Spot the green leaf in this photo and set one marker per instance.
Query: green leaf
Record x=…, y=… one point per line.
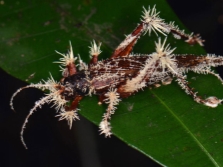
x=164, y=123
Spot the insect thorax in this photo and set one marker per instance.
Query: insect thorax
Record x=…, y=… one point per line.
x=74, y=85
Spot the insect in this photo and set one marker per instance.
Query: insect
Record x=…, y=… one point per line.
x=124, y=73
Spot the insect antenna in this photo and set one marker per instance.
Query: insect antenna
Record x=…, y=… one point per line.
x=14, y=95
x=37, y=104
x=39, y=85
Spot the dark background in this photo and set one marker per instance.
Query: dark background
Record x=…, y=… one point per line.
x=82, y=146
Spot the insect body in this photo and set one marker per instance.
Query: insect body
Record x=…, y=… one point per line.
x=124, y=74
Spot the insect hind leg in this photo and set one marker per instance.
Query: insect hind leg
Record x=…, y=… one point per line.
x=210, y=101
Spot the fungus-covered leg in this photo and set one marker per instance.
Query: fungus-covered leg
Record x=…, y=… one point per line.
x=112, y=99
x=126, y=46
x=208, y=71
x=68, y=62
x=199, y=64
x=189, y=38
x=69, y=113
x=152, y=22
x=142, y=79
x=94, y=52
x=210, y=101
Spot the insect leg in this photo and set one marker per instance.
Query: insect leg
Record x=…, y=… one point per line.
x=199, y=64
x=112, y=99
x=126, y=46
x=210, y=101
x=69, y=113
x=152, y=22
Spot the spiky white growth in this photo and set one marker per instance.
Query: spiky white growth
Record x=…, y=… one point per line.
x=153, y=22
x=197, y=38
x=191, y=38
x=55, y=90
x=82, y=65
x=94, y=49
x=14, y=95
x=69, y=116
x=161, y=59
x=105, y=128
x=112, y=100
x=164, y=55
x=67, y=58
x=53, y=96
x=127, y=41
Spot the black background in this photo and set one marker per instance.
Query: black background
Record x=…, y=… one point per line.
x=82, y=146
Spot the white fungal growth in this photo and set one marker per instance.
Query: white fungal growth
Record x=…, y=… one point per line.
x=53, y=96
x=124, y=73
x=55, y=90
x=164, y=55
x=50, y=85
x=196, y=38
x=94, y=49
x=82, y=65
x=105, y=128
x=68, y=58
x=212, y=101
x=153, y=22
x=112, y=100
x=69, y=116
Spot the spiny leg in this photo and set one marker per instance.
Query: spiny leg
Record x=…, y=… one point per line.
x=210, y=101
x=69, y=113
x=112, y=99
x=152, y=22
x=189, y=38
x=208, y=71
x=126, y=46
x=199, y=64
x=169, y=63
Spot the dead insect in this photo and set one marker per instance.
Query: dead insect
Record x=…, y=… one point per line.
x=124, y=74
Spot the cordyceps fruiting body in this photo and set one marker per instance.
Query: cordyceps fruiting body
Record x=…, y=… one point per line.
x=124, y=73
